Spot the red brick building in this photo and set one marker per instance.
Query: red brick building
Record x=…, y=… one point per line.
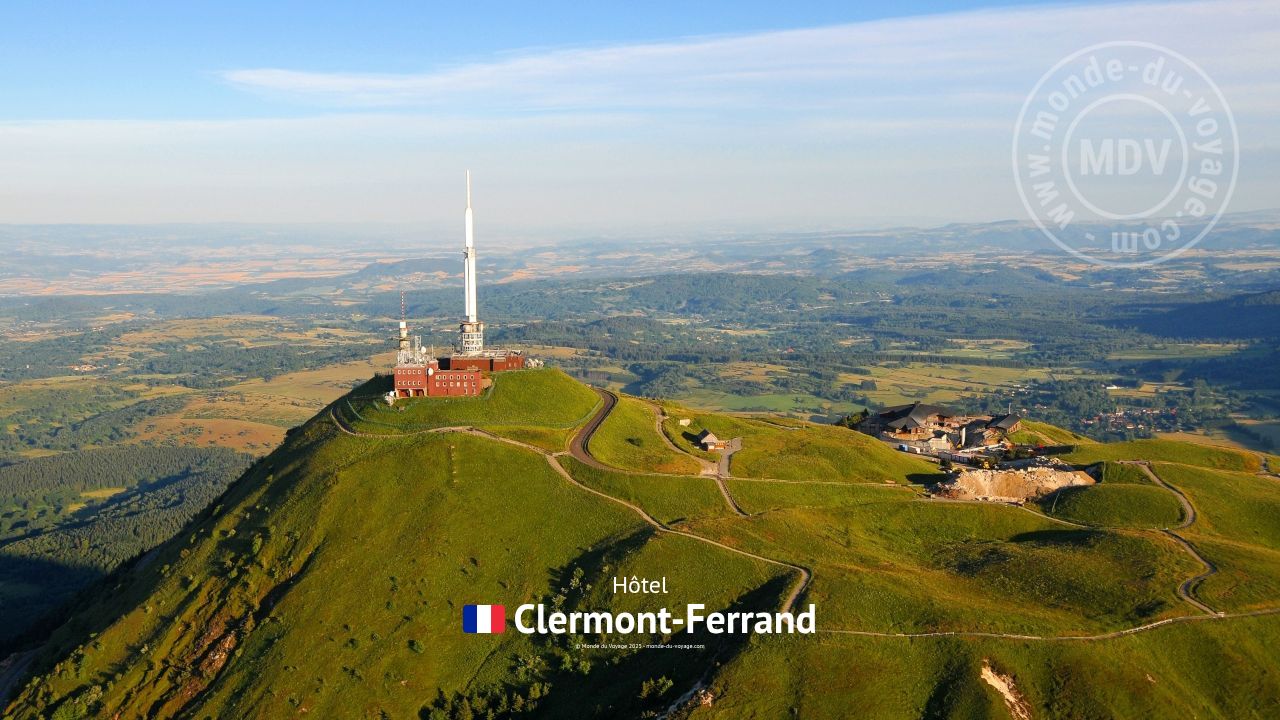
x=490, y=361
x=428, y=380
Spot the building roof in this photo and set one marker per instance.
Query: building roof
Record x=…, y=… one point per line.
x=907, y=417
x=1004, y=422
x=706, y=436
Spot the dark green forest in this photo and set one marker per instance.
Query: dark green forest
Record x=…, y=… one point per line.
x=55, y=540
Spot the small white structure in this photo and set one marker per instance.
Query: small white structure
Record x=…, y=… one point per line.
x=709, y=441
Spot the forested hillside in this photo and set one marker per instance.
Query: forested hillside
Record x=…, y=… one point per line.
x=67, y=520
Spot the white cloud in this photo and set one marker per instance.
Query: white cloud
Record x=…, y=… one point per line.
x=905, y=118
x=957, y=54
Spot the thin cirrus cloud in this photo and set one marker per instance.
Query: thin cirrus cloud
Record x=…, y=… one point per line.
x=960, y=57
x=904, y=120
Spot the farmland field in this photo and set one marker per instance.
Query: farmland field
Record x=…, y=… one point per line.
x=900, y=383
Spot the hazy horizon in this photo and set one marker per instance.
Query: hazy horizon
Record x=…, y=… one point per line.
x=836, y=124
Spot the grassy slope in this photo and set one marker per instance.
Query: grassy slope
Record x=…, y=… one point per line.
x=809, y=452
x=1238, y=530
x=1116, y=505
x=756, y=496
x=334, y=555
x=1166, y=451
x=628, y=439
x=669, y=499
x=1205, y=670
x=549, y=439
x=544, y=398
x=1114, y=473
x=1233, y=506
x=1033, y=433
x=391, y=528
x=884, y=560
x=1209, y=669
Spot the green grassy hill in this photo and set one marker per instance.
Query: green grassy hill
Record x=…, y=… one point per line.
x=1168, y=451
x=1038, y=433
x=627, y=440
x=1119, y=505
x=540, y=407
x=329, y=580
x=332, y=576
x=798, y=450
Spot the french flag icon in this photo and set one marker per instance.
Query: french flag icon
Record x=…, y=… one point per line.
x=484, y=619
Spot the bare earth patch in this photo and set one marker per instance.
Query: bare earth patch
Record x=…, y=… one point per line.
x=1018, y=707
x=1012, y=486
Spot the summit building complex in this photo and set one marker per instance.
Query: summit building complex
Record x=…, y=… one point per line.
x=419, y=373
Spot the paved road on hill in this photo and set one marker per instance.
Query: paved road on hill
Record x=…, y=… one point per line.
x=719, y=470
x=580, y=448
x=804, y=575
x=580, y=443
x=731, y=447
x=726, y=457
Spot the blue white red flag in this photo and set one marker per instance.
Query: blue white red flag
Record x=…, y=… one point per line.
x=484, y=618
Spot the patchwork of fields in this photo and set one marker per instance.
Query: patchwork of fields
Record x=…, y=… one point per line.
x=912, y=593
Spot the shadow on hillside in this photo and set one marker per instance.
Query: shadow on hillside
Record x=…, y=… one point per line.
x=958, y=692
x=594, y=562
x=99, y=600
x=613, y=686
x=1070, y=538
x=37, y=582
x=603, y=682
x=926, y=479
x=34, y=593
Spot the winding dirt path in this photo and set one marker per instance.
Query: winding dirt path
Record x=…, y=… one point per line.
x=804, y=575
x=1188, y=510
x=580, y=444
x=1062, y=638
x=1188, y=586
x=1265, y=469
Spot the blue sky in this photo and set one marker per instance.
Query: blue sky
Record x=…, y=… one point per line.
x=615, y=118
x=147, y=60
